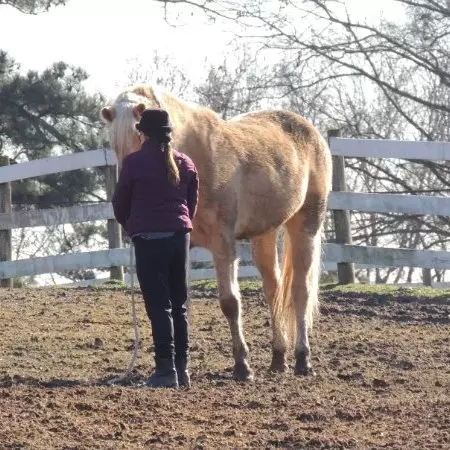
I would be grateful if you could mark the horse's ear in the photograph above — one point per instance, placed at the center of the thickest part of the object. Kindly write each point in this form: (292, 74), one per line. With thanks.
(138, 110)
(107, 114)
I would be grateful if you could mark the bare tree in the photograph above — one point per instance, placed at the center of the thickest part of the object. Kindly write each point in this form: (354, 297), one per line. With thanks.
(32, 6)
(375, 78)
(238, 85)
(163, 71)
(397, 57)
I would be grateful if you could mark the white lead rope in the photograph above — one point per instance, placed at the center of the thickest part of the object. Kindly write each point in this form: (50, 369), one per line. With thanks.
(132, 363)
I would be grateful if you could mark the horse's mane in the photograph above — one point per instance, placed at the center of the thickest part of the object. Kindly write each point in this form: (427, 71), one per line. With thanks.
(123, 130)
(130, 103)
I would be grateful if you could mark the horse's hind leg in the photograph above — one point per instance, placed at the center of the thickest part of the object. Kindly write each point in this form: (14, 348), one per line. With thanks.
(265, 257)
(304, 233)
(226, 265)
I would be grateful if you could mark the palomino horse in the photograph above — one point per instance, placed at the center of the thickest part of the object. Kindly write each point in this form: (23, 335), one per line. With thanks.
(258, 172)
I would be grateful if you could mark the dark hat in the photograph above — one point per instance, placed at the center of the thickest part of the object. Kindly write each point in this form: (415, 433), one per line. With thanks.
(154, 121)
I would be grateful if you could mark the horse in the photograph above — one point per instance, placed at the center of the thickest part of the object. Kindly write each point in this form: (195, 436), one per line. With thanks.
(259, 172)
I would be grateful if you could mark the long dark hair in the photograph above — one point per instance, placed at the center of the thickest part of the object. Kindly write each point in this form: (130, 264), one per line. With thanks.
(172, 171)
(155, 123)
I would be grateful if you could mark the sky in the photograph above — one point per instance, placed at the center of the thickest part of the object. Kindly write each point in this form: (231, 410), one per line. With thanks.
(102, 36)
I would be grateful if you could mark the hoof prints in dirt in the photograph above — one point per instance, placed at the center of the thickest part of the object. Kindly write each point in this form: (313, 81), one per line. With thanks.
(311, 444)
(387, 307)
(382, 364)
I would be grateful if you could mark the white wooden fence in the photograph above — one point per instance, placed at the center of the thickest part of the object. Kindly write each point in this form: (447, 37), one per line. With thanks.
(362, 256)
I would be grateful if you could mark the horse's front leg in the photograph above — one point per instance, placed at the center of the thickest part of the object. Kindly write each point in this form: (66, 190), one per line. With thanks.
(226, 265)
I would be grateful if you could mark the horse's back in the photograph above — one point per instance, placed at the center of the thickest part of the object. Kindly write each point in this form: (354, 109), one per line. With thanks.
(281, 139)
(278, 153)
(287, 122)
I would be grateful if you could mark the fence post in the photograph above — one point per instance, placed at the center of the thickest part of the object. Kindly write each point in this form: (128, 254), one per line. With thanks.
(346, 271)
(114, 231)
(5, 235)
(427, 279)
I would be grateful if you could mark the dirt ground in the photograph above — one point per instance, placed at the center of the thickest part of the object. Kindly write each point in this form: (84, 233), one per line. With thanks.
(382, 363)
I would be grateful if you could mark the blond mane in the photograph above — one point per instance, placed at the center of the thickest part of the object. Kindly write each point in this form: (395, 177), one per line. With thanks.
(125, 111)
(123, 131)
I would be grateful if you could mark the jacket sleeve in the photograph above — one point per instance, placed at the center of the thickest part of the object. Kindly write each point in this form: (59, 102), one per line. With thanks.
(121, 200)
(192, 194)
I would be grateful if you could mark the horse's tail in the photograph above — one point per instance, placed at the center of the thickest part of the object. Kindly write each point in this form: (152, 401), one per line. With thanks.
(283, 306)
(312, 308)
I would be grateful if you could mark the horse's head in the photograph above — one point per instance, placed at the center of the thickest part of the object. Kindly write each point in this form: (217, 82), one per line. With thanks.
(122, 117)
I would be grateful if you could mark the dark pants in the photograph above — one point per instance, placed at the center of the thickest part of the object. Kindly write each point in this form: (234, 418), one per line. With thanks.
(162, 269)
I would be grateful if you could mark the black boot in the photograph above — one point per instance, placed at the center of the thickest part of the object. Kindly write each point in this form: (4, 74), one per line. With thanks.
(182, 366)
(165, 374)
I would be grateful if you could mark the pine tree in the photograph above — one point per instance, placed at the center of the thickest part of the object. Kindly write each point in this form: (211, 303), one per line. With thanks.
(33, 6)
(45, 114)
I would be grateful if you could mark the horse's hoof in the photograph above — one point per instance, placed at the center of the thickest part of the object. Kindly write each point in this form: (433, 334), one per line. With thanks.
(303, 366)
(304, 371)
(278, 362)
(278, 368)
(242, 372)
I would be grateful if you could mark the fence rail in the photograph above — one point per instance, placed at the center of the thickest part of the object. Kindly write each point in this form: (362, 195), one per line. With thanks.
(380, 203)
(57, 216)
(390, 203)
(363, 257)
(56, 164)
(385, 148)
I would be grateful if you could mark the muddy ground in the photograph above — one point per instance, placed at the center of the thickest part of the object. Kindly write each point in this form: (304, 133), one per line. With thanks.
(382, 362)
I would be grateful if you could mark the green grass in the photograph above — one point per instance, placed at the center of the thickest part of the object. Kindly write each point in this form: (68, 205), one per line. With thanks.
(114, 283)
(423, 292)
(204, 284)
(246, 284)
(250, 285)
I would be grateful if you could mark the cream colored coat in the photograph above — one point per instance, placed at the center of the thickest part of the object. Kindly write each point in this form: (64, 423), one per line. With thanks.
(258, 172)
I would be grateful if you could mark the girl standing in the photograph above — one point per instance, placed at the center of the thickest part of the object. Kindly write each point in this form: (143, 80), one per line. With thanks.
(155, 201)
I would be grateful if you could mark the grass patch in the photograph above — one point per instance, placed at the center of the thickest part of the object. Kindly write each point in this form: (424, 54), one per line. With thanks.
(110, 285)
(247, 285)
(114, 283)
(204, 284)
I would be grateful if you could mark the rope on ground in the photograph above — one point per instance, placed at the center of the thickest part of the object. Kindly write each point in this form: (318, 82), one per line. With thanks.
(132, 363)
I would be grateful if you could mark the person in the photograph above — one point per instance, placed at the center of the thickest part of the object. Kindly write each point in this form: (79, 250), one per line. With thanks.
(155, 200)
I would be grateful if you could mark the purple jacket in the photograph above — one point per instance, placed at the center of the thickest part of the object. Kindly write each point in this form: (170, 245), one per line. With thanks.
(144, 199)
